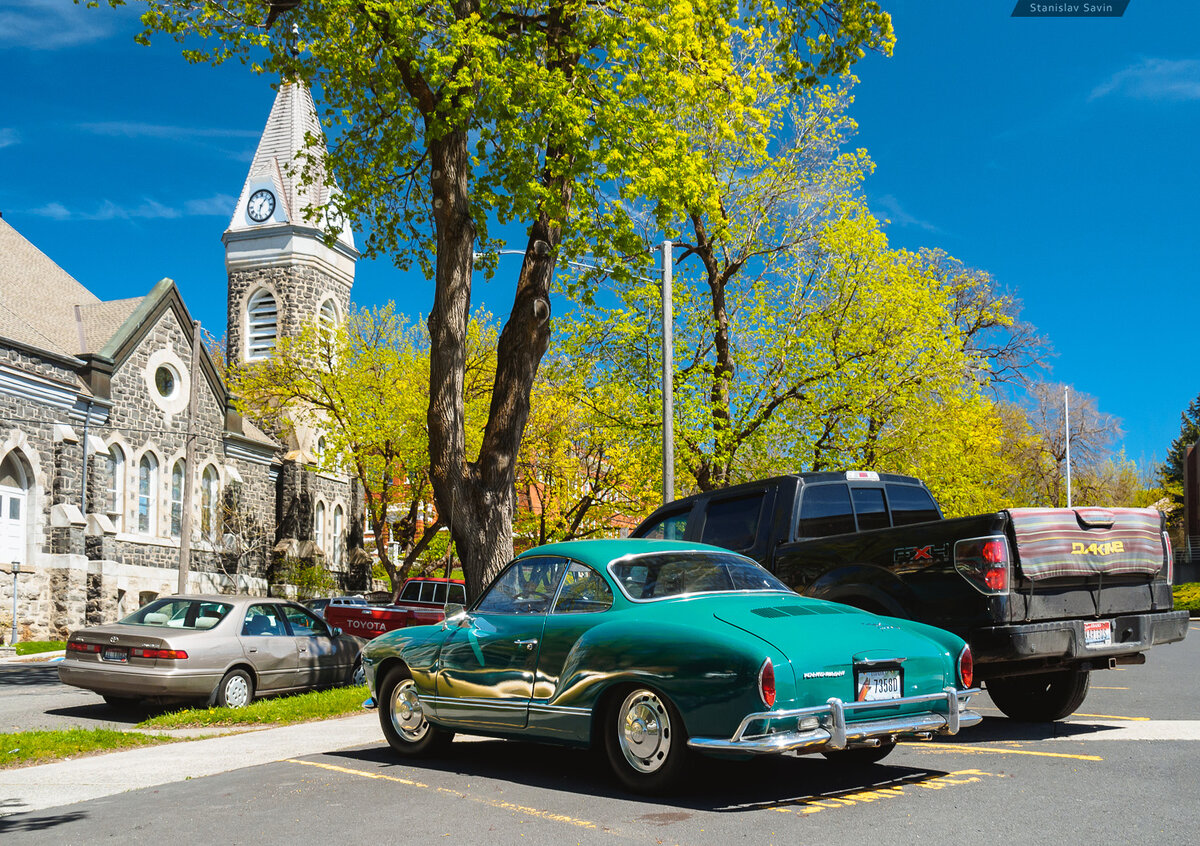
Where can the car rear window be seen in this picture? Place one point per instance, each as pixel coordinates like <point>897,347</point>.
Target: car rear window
<point>179,614</point>
<point>661,575</point>
<point>870,508</point>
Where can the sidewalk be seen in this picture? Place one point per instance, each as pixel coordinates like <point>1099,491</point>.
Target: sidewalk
<point>66,782</point>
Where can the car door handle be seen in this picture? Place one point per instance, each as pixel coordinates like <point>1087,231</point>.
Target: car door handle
<point>303,649</point>
<point>528,644</point>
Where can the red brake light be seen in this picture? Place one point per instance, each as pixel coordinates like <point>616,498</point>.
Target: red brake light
<point>170,654</point>
<point>766,683</point>
<point>984,562</point>
<point>966,667</point>
<point>76,646</point>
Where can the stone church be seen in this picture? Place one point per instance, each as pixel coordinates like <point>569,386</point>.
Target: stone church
<point>121,454</point>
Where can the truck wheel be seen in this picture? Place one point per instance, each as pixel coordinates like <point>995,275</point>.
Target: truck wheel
<point>403,719</point>
<point>1040,698</point>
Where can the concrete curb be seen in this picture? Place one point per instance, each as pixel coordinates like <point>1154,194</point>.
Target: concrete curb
<point>25,789</point>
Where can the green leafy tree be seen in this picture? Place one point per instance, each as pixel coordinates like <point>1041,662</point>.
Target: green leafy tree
<point>452,115</point>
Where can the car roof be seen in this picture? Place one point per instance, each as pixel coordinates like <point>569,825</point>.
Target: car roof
<point>598,553</point>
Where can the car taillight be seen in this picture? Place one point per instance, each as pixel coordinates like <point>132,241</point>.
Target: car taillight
<point>766,683</point>
<point>1169,566</point>
<point>966,667</point>
<point>984,562</point>
<point>76,646</point>
<point>171,654</point>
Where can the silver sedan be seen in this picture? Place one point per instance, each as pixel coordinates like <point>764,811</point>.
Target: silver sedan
<point>221,649</point>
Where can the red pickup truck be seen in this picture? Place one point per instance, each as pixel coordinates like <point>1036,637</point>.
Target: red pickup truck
<point>422,601</point>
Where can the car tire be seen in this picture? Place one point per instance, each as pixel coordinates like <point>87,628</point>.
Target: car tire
<point>860,756</point>
<point>403,719</point>
<point>1042,697</point>
<point>358,676</point>
<point>236,690</point>
<point>645,741</point>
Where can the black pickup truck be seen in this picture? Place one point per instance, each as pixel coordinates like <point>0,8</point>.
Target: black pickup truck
<point>1043,596</point>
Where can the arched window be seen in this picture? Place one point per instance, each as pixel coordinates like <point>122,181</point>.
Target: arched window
<point>319,526</point>
<point>14,509</point>
<point>262,325</point>
<point>327,321</point>
<point>116,487</point>
<point>336,545</point>
<point>148,494</point>
<point>210,499</point>
<point>177,478</point>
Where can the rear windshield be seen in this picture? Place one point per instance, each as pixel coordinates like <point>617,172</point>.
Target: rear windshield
<point>179,614</point>
<point>663,574</point>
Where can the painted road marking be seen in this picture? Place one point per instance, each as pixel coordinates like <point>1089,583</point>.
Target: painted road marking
<point>900,788</point>
<point>981,750</point>
<point>1113,717</point>
<point>494,803</point>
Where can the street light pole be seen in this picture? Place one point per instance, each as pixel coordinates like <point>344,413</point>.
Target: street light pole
<point>668,376</point>
<point>16,569</point>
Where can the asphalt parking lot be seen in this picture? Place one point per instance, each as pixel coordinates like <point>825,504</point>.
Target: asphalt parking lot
<point>1118,771</point>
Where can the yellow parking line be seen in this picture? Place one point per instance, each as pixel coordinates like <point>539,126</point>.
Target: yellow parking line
<point>954,747</point>
<point>494,803</point>
<point>899,789</point>
<point>1113,717</point>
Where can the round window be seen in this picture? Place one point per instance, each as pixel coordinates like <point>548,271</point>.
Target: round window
<point>166,380</point>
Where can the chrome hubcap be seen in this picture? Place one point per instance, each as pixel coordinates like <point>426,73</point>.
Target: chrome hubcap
<point>237,692</point>
<point>644,731</point>
<point>407,717</point>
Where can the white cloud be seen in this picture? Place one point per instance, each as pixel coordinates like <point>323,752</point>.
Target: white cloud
<point>55,24</point>
<point>219,205</point>
<point>898,215</point>
<point>8,137</point>
<point>132,129</point>
<point>56,211</point>
<point>1154,79</point>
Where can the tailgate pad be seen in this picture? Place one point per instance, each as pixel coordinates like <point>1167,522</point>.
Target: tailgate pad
<point>1056,542</point>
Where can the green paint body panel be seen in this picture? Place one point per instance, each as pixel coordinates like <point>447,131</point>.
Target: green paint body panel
<point>703,651</point>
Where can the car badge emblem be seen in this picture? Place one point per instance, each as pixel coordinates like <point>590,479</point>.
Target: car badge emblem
<point>113,639</point>
<point>825,674</point>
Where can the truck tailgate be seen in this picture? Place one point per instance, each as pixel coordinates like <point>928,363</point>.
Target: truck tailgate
<point>1057,543</point>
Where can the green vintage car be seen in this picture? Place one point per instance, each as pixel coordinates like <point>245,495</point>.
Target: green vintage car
<point>660,649</point>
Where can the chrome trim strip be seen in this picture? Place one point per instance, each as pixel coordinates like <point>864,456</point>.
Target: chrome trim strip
<point>836,733</point>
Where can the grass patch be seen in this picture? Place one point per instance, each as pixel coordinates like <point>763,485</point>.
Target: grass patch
<point>21,748</point>
<point>280,710</point>
<point>1187,596</point>
<point>33,647</point>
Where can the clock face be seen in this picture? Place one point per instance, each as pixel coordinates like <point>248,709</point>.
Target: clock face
<point>261,205</point>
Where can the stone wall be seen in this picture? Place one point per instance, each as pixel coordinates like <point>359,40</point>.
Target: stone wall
<point>298,291</point>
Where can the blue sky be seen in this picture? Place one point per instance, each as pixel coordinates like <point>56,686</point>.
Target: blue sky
<point>1058,154</point>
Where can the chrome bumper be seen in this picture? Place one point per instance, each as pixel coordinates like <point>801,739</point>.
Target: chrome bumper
<point>948,715</point>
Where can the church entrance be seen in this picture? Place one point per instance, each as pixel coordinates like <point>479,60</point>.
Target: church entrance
<point>14,508</point>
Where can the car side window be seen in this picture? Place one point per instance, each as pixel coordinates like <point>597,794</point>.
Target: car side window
<point>303,623</point>
<point>825,510</point>
<point>732,523</point>
<point>670,527</point>
<point>412,592</point>
<point>458,593</point>
<point>526,587</point>
<point>263,620</point>
<point>583,589</point>
<point>870,508</point>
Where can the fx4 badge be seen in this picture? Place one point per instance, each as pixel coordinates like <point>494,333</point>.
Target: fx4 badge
<point>916,554</point>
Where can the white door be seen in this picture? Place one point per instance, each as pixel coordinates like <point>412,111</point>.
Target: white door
<point>14,506</point>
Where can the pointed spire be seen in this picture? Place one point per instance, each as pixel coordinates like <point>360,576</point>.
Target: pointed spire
<point>277,169</point>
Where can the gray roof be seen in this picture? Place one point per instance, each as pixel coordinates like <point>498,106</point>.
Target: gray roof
<point>37,297</point>
<point>98,322</point>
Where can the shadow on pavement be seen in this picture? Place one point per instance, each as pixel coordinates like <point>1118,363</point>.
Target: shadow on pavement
<point>14,825</point>
<point>28,675</point>
<point>1003,728</point>
<point>712,785</point>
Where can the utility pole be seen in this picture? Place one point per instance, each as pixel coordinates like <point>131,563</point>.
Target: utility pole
<point>189,463</point>
<point>668,376</point>
<point>1067,434</point>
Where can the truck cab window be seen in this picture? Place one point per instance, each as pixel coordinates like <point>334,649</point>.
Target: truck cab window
<point>733,523</point>
<point>911,504</point>
<point>870,508</point>
<point>670,527</point>
<point>825,510</point>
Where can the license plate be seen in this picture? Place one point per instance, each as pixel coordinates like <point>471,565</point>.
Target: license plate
<point>878,685</point>
<point>1097,634</point>
<point>111,654</point>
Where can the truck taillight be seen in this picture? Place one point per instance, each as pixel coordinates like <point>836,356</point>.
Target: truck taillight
<point>985,563</point>
<point>1169,565</point>
<point>766,683</point>
<point>966,667</point>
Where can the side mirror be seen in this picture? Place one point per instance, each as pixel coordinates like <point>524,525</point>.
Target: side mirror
<point>334,631</point>
<point>456,615</point>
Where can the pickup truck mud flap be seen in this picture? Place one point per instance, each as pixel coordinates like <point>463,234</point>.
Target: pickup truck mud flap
<point>1078,640</point>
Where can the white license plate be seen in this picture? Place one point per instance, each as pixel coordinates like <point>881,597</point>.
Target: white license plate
<point>878,685</point>
<point>116,654</point>
<point>1097,634</point>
